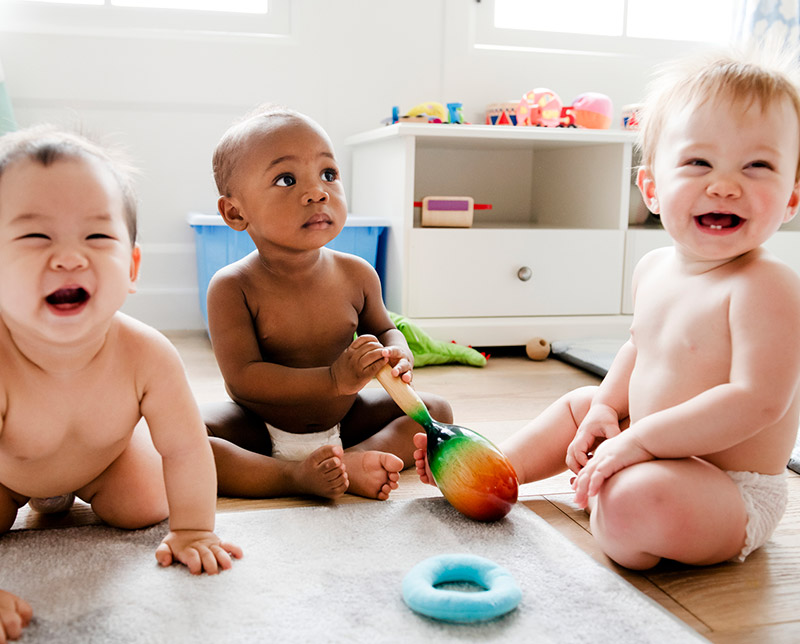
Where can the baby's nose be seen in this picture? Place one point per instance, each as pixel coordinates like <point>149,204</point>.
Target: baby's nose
<point>316,196</point>
<point>724,187</point>
<point>68,259</point>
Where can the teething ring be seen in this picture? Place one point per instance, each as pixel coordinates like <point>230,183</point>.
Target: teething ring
<point>501,594</point>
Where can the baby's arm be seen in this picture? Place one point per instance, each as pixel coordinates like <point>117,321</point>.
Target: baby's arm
<point>15,614</point>
<point>375,320</point>
<point>179,435</point>
<point>609,407</point>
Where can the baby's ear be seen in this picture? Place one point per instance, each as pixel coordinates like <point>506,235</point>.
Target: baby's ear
<point>136,259</point>
<point>647,186</point>
<point>231,213</point>
<point>794,202</point>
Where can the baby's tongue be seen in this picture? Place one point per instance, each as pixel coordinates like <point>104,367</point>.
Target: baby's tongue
<point>718,219</point>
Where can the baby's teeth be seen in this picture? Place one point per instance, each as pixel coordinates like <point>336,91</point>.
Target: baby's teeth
<point>716,227</point>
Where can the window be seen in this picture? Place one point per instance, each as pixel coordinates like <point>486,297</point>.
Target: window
<point>614,27</point>
<point>147,17</point>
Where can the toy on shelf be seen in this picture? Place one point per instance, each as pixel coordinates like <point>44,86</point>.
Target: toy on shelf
<point>472,474</point>
<point>593,111</point>
<point>502,113</point>
<point>450,212</point>
<point>428,113</point>
<point>540,106</point>
<point>630,116</point>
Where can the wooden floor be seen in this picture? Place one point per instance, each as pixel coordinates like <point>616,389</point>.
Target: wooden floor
<point>758,601</point>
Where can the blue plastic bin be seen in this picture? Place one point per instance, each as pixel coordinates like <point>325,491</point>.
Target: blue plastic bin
<point>218,245</point>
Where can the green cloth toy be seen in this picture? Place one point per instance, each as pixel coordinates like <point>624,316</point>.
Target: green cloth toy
<point>427,351</point>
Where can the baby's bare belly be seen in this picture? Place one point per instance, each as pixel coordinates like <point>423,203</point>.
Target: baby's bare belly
<point>303,419</point>
<point>66,469</point>
<point>657,388</point>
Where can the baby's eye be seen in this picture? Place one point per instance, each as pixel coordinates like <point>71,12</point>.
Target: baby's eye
<point>699,163</point>
<point>34,236</point>
<point>99,236</point>
<point>329,175</point>
<point>761,164</point>
<point>285,180</point>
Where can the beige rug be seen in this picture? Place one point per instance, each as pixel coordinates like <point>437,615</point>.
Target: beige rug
<point>320,574</point>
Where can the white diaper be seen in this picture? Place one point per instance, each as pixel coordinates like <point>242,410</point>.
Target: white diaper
<point>765,497</point>
<point>296,447</point>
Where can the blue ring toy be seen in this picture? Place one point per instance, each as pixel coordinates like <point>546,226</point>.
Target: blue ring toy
<point>501,594</point>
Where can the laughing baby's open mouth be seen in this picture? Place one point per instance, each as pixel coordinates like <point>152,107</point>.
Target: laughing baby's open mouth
<point>67,298</point>
<point>719,221</point>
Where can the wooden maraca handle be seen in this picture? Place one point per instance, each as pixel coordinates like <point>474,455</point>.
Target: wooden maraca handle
<point>403,394</point>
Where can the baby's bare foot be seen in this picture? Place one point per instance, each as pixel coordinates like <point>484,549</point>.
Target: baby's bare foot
<point>372,474</point>
<point>322,473</point>
<point>421,459</point>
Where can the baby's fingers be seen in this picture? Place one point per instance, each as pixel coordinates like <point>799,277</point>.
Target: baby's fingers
<point>191,558</point>
<point>221,558</point>
<point>232,549</point>
<point>12,621</point>
<point>164,555</point>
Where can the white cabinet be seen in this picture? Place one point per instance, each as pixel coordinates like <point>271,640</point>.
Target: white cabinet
<point>553,257</point>
<point>547,260</point>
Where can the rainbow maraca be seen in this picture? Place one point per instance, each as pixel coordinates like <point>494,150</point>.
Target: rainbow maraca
<point>472,474</point>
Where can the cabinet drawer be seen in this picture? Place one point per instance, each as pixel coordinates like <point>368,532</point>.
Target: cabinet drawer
<point>474,272</point>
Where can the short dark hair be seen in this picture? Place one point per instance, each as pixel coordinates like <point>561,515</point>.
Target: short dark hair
<point>46,144</point>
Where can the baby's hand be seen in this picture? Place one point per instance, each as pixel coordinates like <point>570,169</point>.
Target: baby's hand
<point>600,423</point>
<point>609,458</point>
<point>198,550</point>
<point>358,364</point>
<point>15,614</point>
<point>401,361</point>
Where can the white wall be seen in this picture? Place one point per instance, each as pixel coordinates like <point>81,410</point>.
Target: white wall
<point>346,63</point>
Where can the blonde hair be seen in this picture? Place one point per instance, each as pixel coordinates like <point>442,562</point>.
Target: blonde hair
<point>760,76</point>
<point>46,144</point>
<point>235,142</point>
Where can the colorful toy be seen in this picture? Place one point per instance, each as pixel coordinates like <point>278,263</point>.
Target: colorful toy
<point>540,106</point>
<point>436,112</point>
<point>455,112</point>
<point>472,474</point>
<point>427,351</point>
<point>428,113</point>
<point>630,116</point>
<point>593,110</point>
<point>501,113</point>
<point>499,592</point>
<point>452,212</point>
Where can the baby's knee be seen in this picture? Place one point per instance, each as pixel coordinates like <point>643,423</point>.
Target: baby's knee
<point>578,401</point>
<point>637,502</point>
<point>132,513</point>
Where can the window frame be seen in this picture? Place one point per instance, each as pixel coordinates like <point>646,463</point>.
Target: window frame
<point>110,20</point>
<point>487,36</point>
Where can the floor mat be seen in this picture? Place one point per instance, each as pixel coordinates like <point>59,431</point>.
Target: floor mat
<point>330,573</point>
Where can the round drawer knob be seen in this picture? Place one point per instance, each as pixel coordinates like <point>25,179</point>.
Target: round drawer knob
<point>524,274</point>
